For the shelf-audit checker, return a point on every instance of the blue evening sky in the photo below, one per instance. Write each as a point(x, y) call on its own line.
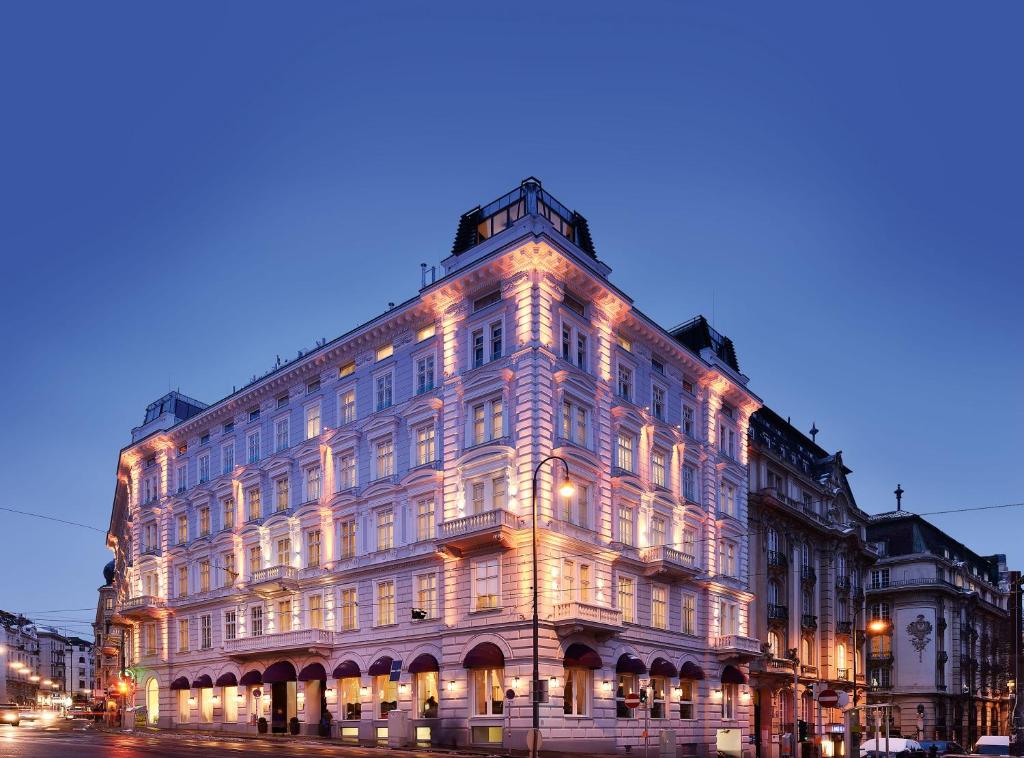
point(189, 189)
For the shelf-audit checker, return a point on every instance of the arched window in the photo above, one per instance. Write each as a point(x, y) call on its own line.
point(805, 555)
point(775, 644)
point(806, 602)
point(807, 651)
point(841, 656)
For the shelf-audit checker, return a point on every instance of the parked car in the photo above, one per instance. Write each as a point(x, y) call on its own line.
point(897, 746)
point(992, 744)
point(942, 747)
point(9, 714)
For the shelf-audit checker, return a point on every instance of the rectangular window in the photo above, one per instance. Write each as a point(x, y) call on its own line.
point(281, 494)
point(204, 521)
point(625, 518)
point(728, 618)
point(686, 699)
point(182, 478)
point(346, 463)
point(230, 625)
point(478, 348)
point(312, 386)
point(229, 513)
point(488, 696)
point(690, 483)
point(284, 615)
point(879, 578)
point(385, 351)
point(256, 621)
point(496, 344)
point(727, 440)
point(486, 588)
point(347, 406)
point(385, 603)
point(312, 484)
point(204, 468)
point(658, 468)
point(347, 538)
point(227, 561)
point(658, 531)
point(689, 615)
point(347, 370)
point(425, 333)
point(282, 401)
point(227, 456)
point(281, 434)
point(624, 387)
point(690, 542)
point(385, 529)
point(205, 632)
point(349, 606)
point(498, 492)
point(254, 415)
point(150, 633)
point(424, 374)
point(624, 452)
point(487, 421)
point(182, 635)
point(575, 422)
point(624, 342)
point(659, 607)
point(385, 458)
point(182, 581)
point(253, 445)
point(689, 421)
point(576, 693)
point(284, 552)
point(384, 392)
point(316, 612)
point(182, 529)
point(425, 519)
point(255, 509)
point(313, 421)
point(625, 599)
point(426, 594)
point(204, 576)
point(576, 509)
point(658, 402)
point(727, 498)
point(313, 548)
point(425, 452)
point(255, 559)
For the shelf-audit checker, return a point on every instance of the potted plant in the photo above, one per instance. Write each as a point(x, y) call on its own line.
point(261, 725)
point(324, 729)
point(293, 725)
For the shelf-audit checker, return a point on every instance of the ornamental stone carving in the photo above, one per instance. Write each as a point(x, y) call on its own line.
point(919, 629)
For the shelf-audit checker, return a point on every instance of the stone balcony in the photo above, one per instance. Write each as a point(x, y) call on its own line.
point(274, 580)
point(666, 562)
point(311, 641)
point(576, 616)
point(479, 530)
point(144, 607)
point(736, 646)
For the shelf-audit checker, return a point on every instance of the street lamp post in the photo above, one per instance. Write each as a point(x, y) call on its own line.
point(566, 489)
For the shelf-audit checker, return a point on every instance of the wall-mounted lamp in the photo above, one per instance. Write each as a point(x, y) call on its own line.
point(215, 700)
point(191, 702)
point(240, 699)
point(364, 691)
point(403, 688)
point(515, 682)
point(745, 695)
point(451, 685)
point(553, 682)
point(678, 692)
point(716, 694)
point(330, 693)
point(606, 685)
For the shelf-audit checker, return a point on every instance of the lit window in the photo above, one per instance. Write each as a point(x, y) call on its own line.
point(256, 624)
point(385, 351)
point(624, 452)
point(424, 374)
point(576, 692)
point(284, 552)
point(659, 607)
point(575, 419)
point(385, 458)
point(625, 525)
point(488, 691)
point(425, 519)
point(284, 615)
point(385, 603)
point(281, 434)
point(625, 597)
point(316, 612)
point(687, 697)
point(347, 370)
point(426, 594)
point(253, 444)
point(349, 609)
point(624, 386)
point(347, 538)
point(658, 528)
point(255, 510)
point(425, 333)
point(690, 483)
point(229, 513)
point(312, 483)
point(281, 493)
point(228, 458)
point(347, 406)
point(487, 421)
point(658, 468)
point(385, 529)
point(689, 421)
point(689, 615)
point(346, 471)
point(313, 548)
point(425, 445)
point(486, 588)
point(313, 421)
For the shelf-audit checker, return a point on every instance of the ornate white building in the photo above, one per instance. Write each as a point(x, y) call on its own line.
point(366, 508)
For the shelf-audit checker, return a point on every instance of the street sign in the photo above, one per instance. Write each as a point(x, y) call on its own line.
point(256, 693)
point(828, 698)
point(632, 700)
point(396, 670)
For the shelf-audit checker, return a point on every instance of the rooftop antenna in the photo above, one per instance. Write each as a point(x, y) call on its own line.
point(814, 432)
point(898, 492)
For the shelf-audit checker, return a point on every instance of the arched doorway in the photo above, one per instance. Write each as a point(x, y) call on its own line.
point(152, 701)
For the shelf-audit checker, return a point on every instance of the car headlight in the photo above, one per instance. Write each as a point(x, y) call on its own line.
point(9, 717)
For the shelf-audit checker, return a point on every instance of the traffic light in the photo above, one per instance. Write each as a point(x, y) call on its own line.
point(802, 730)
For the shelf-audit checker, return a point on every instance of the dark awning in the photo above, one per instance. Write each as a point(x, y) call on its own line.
point(282, 671)
point(314, 672)
point(486, 655)
point(578, 655)
point(380, 666)
point(691, 670)
point(732, 675)
point(227, 680)
point(630, 664)
point(250, 678)
point(661, 667)
point(346, 669)
point(423, 663)
point(202, 682)
point(181, 683)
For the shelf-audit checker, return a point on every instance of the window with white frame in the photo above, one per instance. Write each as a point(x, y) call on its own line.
point(879, 578)
point(624, 451)
point(281, 435)
point(205, 632)
point(727, 558)
point(227, 564)
point(659, 606)
point(349, 609)
point(347, 406)
point(690, 542)
point(624, 383)
point(727, 440)
point(425, 445)
point(281, 494)
point(625, 598)
point(385, 529)
point(574, 345)
point(316, 611)
point(347, 538)
point(255, 507)
point(227, 457)
point(576, 580)
point(255, 559)
point(425, 514)
point(728, 618)
point(385, 607)
point(253, 445)
point(229, 512)
point(425, 332)
point(182, 529)
point(486, 343)
point(575, 422)
point(487, 420)
point(313, 421)
point(690, 488)
point(658, 531)
point(488, 691)
point(624, 685)
point(312, 548)
point(182, 581)
point(688, 621)
point(284, 615)
point(204, 468)
point(426, 594)
point(576, 507)
point(183, 635)
point(659, 687)
point(486, 584)
point(424, 373)
point(729, 692)
point(727, 498)
point(626, 519)
point(204, 521)
point(345, 466)
point(658, 402)
point(230, 625)
point(384, 458)
point(687, 698)
point(284, 552)
point(312, 483)
point(576, 692)
point(658, 478)
point(384, 392)
point(182, 478)
point(689, 422)
point(256, 621)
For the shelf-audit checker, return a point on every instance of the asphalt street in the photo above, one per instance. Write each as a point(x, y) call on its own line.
point(80, 740)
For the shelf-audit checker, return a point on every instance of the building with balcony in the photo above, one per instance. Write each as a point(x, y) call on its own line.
point(949, 645)
point(808, 562)
point(366, 508)
point(109, 637)
point(22, 671)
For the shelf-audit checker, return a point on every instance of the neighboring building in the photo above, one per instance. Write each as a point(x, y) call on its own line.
point(950, 642)
point(19, 654)
point(78, 661)
point(52, 664)
point(107, 664)
point(368, 505)
point(808, 562)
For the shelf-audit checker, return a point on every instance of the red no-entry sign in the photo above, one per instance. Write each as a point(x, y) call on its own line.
point(632, 700)
point(828, 698)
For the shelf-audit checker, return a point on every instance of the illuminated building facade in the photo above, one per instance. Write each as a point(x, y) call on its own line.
point(19, 655)
point(809, 560)
point(946, 661)
point(366, 507)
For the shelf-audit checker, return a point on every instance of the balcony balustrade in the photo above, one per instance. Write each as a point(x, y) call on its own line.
point(777, 560)
point(807, 670)
point(778, 612)
point(314, 641)
point(808, 574)
point(736, 646)
point(274, 580)
point(576, 616)
point(809, 621)
point(494, 527)
point(666, 562)
point(844, 627)
point(843, 675)
point(144, 607)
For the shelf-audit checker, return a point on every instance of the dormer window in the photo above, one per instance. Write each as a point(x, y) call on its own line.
point(500, 221)
point(229, 427)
